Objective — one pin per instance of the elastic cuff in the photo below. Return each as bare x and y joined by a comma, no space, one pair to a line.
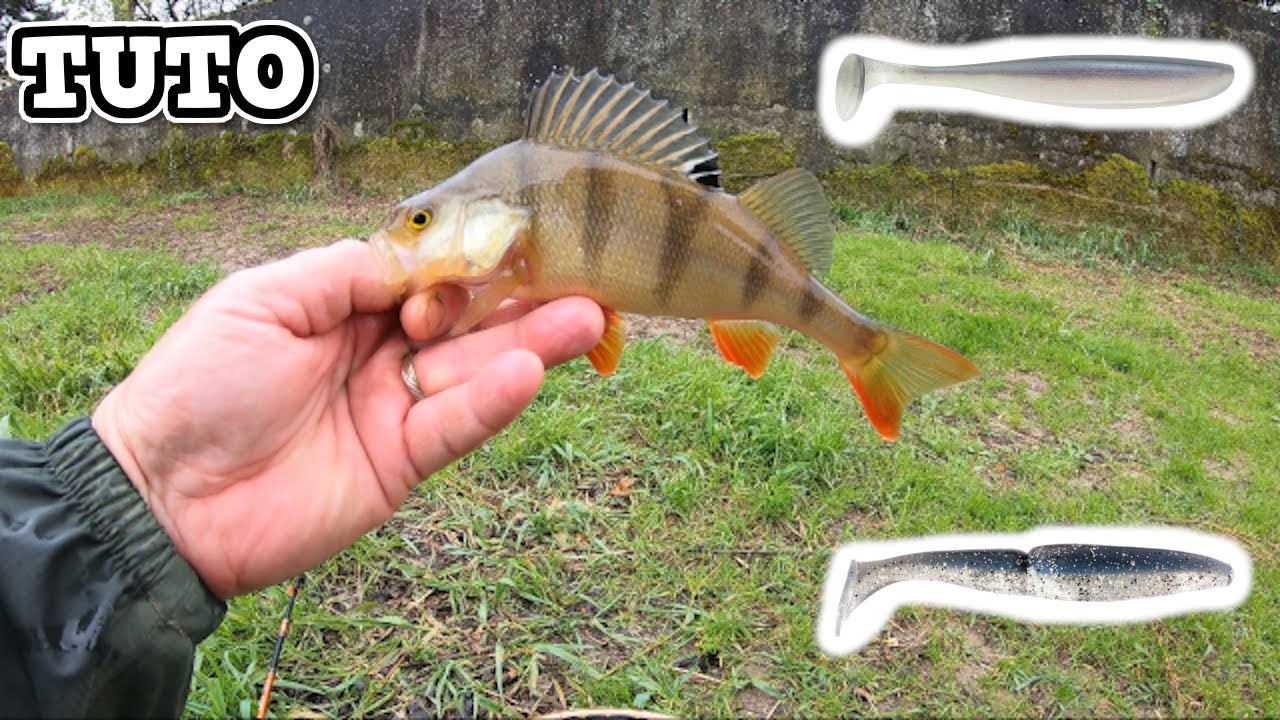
138,547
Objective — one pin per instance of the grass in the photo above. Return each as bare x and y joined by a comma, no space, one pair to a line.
658,539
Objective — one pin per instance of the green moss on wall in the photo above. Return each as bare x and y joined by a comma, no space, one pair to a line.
84,171
403,163
11,180
1260,234
1118,178
411,131
1157,18
268,160
1181,219
410,159
1015,171
1220,227
883,187
747,159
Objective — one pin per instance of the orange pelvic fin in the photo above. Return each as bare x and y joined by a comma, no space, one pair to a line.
907,366
606,355
746,343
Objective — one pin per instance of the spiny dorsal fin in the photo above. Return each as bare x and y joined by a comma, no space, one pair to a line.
596,112
794,207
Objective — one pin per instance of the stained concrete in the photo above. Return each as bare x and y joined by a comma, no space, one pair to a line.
740,66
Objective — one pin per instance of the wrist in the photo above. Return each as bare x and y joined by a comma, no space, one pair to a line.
110,423
157,481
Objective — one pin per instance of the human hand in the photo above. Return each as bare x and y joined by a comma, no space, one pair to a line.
270,427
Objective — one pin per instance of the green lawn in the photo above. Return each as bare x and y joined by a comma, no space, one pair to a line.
660,538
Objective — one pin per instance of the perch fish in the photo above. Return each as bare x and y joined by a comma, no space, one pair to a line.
611,195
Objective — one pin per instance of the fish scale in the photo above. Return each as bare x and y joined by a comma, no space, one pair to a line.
613,196
654,258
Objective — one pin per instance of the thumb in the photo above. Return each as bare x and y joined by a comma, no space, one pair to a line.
315,290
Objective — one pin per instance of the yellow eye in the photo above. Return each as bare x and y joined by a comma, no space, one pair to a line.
419,220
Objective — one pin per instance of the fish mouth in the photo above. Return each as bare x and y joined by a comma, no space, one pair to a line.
406,273
391,261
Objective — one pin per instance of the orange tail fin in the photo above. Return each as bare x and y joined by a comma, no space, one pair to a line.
907,366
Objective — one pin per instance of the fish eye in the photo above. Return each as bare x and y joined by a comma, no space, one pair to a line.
419,219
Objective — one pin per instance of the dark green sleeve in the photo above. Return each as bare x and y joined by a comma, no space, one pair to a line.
99,616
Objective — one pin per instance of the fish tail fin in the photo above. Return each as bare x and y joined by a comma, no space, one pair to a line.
903,368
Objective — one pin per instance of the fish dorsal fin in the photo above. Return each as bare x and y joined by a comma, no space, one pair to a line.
794,207
596,112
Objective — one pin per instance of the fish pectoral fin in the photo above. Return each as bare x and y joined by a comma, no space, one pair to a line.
485,301
793,206
746,343
606,355
907,366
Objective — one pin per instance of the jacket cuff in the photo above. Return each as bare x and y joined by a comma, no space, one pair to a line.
138,548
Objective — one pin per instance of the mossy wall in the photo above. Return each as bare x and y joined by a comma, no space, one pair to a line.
11,181
745,68
1177,219
273,161
747,159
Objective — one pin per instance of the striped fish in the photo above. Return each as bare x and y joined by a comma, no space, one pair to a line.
610,194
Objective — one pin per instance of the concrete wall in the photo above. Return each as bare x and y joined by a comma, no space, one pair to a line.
739,65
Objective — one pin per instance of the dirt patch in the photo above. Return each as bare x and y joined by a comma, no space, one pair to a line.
1226,417
43,281
1091,288
900,648
1125,452
1232,470
1258,344
753,701
1205,326
979,649
1099,476
682,331
901,636
1002,436
1002,440
233,231
1022,386
1133,430
756,703
856,524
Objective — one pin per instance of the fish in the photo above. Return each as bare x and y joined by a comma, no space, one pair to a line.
613,195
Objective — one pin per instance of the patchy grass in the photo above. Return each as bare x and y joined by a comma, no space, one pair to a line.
233,229
75,322
658,539
1111,204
